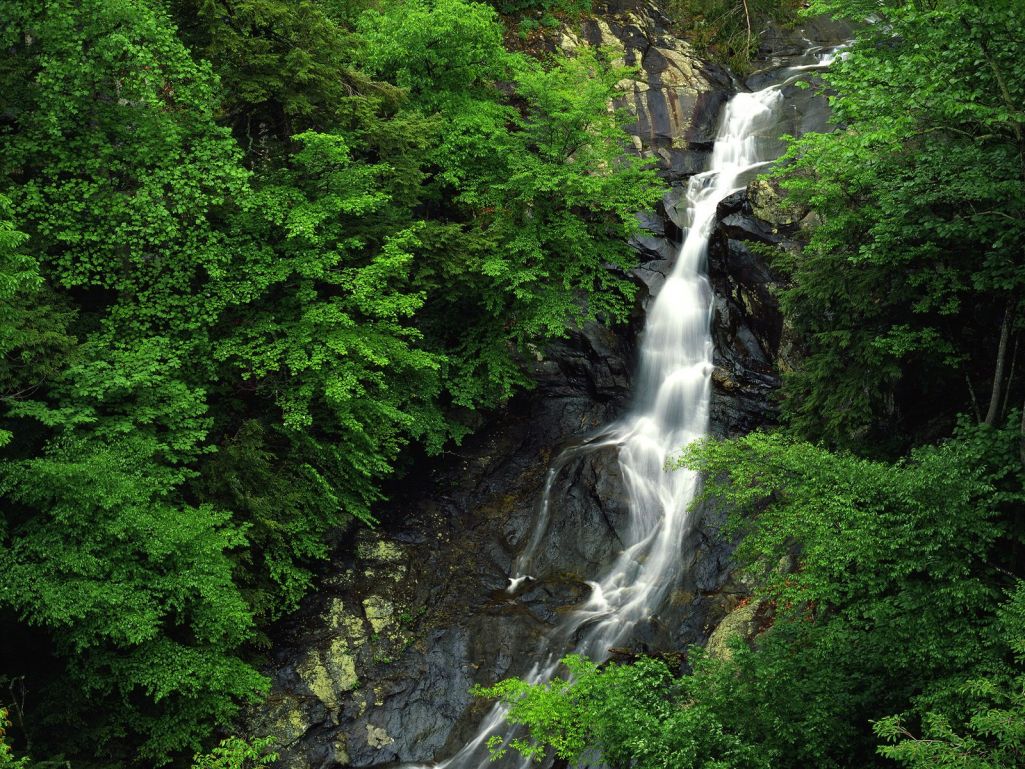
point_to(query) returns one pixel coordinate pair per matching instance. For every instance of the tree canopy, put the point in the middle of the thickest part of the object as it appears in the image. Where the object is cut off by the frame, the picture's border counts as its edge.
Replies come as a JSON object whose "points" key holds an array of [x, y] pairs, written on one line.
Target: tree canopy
{"points": [[907, 295], [249, 254]]}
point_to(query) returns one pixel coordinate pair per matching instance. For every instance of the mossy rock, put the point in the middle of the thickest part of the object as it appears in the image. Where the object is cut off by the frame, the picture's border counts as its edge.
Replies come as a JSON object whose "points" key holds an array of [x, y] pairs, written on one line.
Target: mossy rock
{"points": [[742, 621], [770, 205], [380, 550], [282, 717]]}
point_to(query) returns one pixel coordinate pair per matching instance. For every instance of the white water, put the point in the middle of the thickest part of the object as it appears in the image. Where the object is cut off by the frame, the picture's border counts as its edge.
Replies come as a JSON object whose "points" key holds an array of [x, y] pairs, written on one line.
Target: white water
{"points": [[670, 410]]}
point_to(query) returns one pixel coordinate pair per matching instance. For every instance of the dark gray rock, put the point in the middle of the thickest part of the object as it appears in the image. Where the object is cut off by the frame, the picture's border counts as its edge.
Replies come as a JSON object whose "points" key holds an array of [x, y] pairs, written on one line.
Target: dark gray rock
{"points": [[654, 273]]}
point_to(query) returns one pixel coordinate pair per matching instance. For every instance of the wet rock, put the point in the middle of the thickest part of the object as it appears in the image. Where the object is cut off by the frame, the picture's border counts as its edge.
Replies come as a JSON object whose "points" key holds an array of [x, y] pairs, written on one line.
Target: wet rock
{"points": [[594, 512], [674, 205], [778, 44], [410, 616], [677, 98], [380, 613], [654, 273], [752, 344], [722, 379], [741, 227], [652, 242]]}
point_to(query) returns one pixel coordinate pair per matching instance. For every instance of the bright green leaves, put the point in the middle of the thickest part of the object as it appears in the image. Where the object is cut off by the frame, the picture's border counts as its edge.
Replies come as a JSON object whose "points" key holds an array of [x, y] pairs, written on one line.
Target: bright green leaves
{"points": [[546, 192], [885, 581], [330, 337], [7, 759], [33, 322], [441, 51], [639, 715], [536, 191], [20, 271], [236, 753], [860, 524], [105, 556], [339, 190], [104, 553], [113, 137], [565, 203], [114, 164]]}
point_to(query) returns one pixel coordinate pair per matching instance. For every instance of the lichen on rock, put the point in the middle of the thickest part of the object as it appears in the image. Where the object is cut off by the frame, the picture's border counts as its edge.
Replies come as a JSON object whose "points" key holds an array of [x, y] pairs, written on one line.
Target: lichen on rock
{"points": [[377, 737], [345, 622], [770, 205], [329, 673], [380, 550], [380, 612], [285, 719]]}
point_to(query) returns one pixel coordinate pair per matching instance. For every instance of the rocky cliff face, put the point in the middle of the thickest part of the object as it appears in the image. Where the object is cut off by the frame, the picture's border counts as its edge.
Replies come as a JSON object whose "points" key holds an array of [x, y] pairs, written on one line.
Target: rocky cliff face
{"points": [[376, 667]]}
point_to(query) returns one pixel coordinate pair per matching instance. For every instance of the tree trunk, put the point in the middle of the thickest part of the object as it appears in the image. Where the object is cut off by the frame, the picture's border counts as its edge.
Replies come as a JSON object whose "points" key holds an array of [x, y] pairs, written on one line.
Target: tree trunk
{"points": [[975, 401], [1021, 436], [998, 374], [747, 18], [1010, 379]]}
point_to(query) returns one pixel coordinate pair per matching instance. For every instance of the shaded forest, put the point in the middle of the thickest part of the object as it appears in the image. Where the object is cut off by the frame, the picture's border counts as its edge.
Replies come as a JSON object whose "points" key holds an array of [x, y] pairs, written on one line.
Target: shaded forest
{"points": [[256, 255]]}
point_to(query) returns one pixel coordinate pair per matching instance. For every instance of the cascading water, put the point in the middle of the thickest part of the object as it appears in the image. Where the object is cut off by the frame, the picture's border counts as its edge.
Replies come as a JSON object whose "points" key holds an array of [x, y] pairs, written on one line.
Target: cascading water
{"points": [[670, 410]]}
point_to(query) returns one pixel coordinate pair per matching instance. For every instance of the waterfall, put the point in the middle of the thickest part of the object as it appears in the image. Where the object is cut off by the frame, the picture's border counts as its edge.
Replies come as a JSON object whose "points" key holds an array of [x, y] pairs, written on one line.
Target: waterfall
{"points": [[670, 409]]}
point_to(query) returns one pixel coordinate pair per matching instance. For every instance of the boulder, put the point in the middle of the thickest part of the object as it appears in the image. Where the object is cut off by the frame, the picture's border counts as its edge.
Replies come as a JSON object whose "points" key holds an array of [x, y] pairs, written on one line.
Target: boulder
{"points": [[744, 622]]}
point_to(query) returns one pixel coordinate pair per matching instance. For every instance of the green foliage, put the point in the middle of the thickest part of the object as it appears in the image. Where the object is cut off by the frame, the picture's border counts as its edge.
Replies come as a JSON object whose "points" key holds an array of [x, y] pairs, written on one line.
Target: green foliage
{"points": [[540, 188], [118, 160], [638, 715], [903, 286], [248, 254], [19, 276], [545, 10], [727, 30], [119, 174], [274, 485], [994, 734], [439, 50], [285, 67], [236, 753], [886, 578], [7, 759]]}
